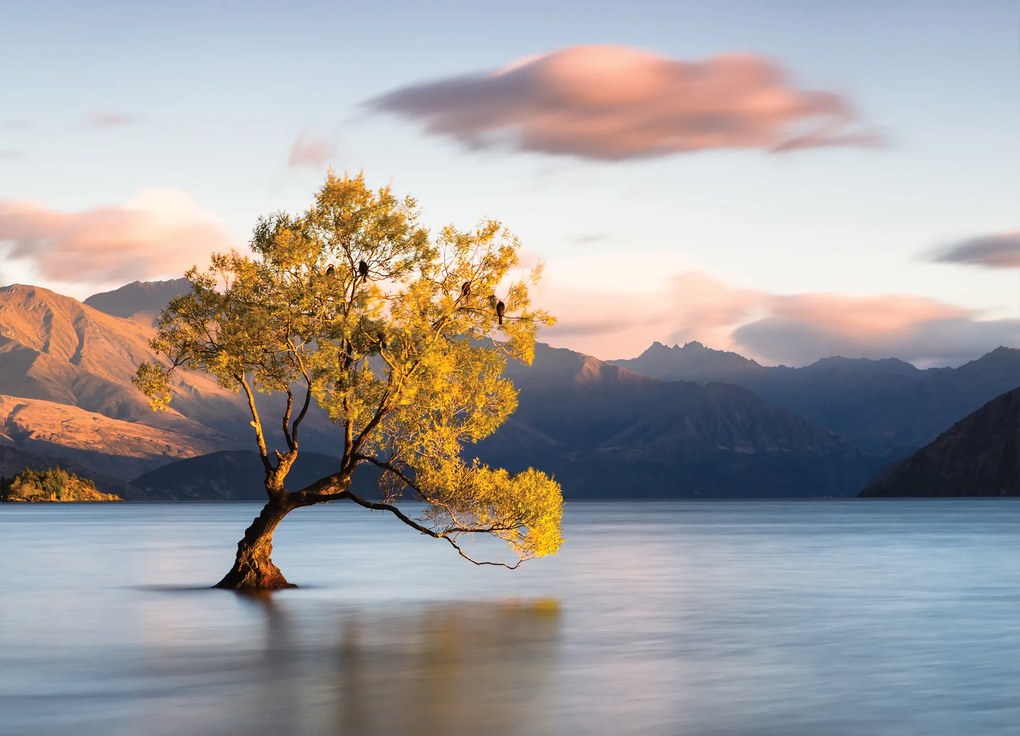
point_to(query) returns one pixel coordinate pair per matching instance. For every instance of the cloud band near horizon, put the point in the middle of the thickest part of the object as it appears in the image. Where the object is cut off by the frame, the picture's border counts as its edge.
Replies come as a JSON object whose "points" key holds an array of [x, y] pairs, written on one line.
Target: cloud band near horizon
{"points": [[794, 329], [160, 232], [614, 103]]}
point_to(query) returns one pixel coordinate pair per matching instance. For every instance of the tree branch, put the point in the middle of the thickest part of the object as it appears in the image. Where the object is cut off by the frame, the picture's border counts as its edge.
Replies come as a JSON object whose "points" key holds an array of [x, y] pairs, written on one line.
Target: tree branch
{"points": [[376, 506], [260, 438], [286, 420], [308, 392]]}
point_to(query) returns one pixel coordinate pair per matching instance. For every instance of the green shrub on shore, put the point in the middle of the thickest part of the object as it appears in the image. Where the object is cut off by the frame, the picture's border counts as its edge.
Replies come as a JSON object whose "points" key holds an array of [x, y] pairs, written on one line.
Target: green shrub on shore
{"points": [[53, 484]]}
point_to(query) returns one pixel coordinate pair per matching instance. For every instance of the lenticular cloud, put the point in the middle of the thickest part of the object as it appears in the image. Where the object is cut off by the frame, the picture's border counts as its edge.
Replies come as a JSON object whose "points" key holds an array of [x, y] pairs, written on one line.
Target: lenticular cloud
{"points": [[614, 103]]}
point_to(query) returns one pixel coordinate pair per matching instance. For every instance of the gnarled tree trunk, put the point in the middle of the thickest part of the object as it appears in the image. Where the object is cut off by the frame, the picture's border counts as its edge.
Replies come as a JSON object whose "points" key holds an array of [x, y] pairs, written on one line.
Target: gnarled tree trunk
{"points": [[253, 568]]}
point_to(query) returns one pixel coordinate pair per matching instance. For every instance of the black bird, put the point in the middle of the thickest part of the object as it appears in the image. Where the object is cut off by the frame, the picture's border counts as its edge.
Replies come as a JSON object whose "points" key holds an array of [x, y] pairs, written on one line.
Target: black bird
{"points": [[465, 290], [329, 271], [363, 271], [500, 309]]}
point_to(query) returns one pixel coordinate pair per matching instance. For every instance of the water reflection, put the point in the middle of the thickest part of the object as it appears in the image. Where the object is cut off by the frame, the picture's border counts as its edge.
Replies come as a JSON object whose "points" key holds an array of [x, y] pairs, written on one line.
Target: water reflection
{"points": [[449, 668], [866, 619]]}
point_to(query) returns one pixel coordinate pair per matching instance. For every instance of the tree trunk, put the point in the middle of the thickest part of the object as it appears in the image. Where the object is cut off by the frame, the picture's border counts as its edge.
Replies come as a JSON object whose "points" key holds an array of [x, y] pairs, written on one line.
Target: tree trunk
{"points": [[253, 568]]}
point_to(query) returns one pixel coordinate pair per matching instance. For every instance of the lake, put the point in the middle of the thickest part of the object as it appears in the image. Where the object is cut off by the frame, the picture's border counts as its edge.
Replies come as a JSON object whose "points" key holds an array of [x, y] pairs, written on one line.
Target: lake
{"points": [[716, 619]]}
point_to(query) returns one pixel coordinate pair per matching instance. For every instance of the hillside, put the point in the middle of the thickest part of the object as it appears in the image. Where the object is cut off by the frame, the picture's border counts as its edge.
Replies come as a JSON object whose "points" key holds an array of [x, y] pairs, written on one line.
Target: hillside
{"points": [[978, 456], [57, 349], [104, 446], [54, 348]]}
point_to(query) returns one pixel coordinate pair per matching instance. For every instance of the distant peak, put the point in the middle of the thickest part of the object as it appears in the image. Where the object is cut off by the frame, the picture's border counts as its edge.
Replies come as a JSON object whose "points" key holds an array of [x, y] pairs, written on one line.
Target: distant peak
{"points": [[694, 345]]}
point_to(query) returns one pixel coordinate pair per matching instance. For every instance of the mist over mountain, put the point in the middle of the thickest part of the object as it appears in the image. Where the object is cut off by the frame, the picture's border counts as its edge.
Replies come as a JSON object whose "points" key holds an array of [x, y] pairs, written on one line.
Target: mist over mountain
{"points": [[977, 456], [887, 407]]}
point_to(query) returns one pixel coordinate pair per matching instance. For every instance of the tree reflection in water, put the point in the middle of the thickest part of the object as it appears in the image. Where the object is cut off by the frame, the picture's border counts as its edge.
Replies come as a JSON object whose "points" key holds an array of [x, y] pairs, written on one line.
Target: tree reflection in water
{"points": [[438, 669]]}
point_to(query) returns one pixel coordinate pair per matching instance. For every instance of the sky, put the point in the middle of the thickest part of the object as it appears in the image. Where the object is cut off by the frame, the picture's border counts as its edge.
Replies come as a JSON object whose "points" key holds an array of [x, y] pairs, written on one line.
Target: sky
{"points": [[788, 180]]}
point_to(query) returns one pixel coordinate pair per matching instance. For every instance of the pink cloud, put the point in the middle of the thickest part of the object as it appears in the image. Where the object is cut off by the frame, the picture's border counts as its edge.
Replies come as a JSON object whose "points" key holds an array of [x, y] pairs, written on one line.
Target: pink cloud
{"points": [[991, 251], [801, 328], [684, 305], [847, 316], [615, 102], [160, 232], [309, 150]]}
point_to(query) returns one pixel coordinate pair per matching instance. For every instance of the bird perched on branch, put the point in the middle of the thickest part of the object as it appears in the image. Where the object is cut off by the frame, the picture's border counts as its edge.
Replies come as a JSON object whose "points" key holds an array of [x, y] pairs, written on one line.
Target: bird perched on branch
{"points": [[329, 271], [500, 309], [363, 271], [465, 290]]}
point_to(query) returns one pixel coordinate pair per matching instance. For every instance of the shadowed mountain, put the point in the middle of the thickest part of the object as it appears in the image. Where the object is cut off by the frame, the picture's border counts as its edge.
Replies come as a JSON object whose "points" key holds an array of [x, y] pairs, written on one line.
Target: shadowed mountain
{"points": [[887, 407], [977, 456], [607, 432], [139, 300]]}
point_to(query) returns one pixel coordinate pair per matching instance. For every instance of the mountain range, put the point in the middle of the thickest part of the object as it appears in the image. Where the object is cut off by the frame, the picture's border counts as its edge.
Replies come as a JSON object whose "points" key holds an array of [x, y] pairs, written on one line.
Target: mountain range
{"points": [[675, 422], [886, 407]]}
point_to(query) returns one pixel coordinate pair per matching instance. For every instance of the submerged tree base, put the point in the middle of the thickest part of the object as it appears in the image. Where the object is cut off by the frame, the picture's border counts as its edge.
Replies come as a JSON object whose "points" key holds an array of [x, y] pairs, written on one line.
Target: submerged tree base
{"points": [[253, 567], [249, 578]]}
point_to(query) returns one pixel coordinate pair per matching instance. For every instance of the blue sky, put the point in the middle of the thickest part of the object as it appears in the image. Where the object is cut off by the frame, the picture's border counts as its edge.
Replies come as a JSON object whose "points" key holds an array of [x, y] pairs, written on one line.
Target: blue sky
{"points": [[197, 115]]}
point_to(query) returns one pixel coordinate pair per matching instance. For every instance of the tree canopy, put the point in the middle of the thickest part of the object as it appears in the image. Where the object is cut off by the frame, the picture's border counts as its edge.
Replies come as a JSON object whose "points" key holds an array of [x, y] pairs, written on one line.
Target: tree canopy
{"points": [[399, 335]]}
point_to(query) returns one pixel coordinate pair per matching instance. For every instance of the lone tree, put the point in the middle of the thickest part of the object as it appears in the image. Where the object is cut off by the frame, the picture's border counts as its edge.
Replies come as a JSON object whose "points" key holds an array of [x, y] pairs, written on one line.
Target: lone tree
{"points": [[353, 305]]}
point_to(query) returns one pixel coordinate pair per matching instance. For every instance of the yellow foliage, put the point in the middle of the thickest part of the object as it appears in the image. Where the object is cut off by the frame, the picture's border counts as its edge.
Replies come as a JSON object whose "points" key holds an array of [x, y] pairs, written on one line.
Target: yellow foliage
{"points": [[395, 334]]}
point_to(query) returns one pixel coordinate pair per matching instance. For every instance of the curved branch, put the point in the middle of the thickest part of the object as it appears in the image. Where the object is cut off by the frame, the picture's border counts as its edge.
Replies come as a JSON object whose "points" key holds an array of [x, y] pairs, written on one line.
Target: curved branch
{"points": [[376, 506], [393, 469]]}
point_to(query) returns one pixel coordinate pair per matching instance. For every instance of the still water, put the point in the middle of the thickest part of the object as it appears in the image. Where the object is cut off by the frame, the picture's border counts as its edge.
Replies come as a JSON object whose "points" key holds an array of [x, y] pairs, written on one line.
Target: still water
{"points": [[778, 618]]}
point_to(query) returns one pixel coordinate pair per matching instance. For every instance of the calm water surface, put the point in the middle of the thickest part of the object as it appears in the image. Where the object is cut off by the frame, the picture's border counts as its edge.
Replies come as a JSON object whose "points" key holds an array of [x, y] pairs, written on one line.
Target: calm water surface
{"points": [[779, 618]]}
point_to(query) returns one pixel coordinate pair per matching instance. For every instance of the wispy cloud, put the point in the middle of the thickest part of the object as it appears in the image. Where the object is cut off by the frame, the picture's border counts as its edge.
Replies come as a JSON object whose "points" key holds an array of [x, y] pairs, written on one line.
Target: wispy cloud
{"points": [[991, 251], [17, 124], [159, 232], [110, 120], [615, 102], [311, 151]]}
